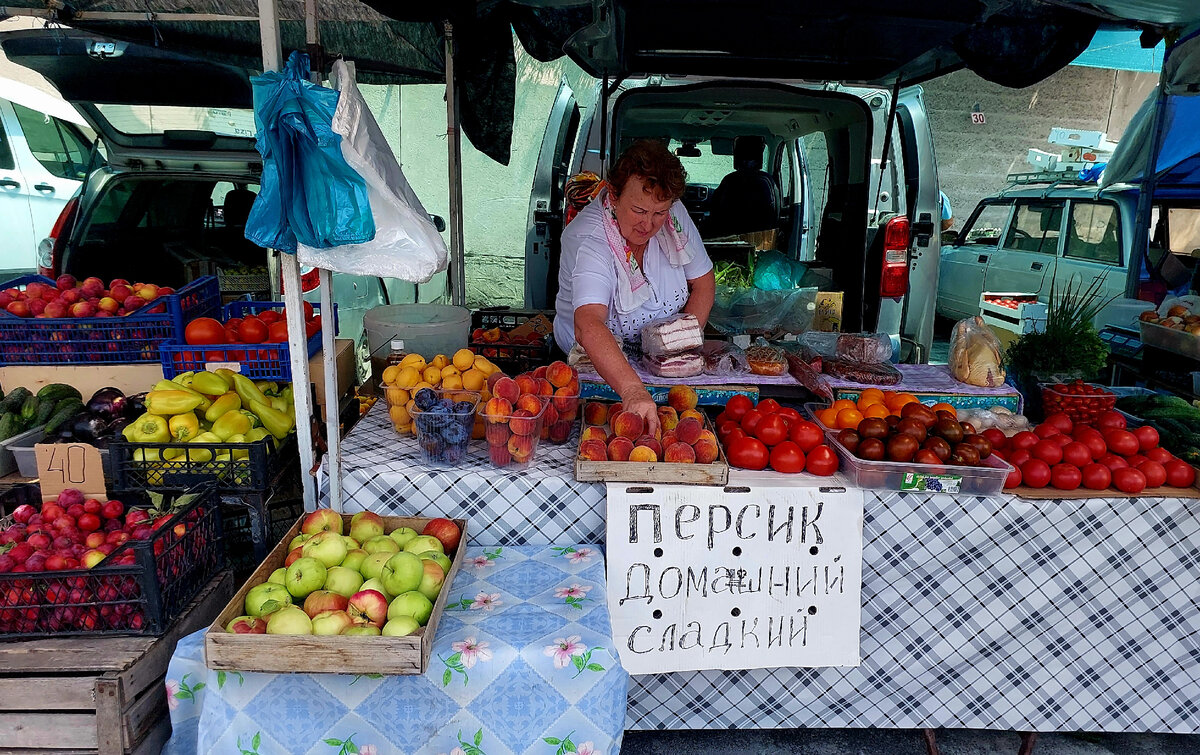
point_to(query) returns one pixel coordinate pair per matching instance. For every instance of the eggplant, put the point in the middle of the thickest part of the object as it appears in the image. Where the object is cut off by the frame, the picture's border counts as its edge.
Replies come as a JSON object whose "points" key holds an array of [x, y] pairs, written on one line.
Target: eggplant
{"points": [[89, 426], [108, 402], [135, 405], [116, 426]]}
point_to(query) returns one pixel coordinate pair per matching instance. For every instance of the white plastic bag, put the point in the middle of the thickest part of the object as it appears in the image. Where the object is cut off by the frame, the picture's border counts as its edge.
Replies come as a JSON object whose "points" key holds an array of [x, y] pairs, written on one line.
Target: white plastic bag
{"points": [[406, 245]]}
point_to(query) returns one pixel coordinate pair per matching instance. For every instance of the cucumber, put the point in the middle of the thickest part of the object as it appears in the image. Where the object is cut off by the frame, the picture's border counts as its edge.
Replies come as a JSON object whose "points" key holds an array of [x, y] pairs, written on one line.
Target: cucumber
{"points": [[63, 411], [14, 400], [55, 392], [9, 426], [29, 410], [45, 409]]}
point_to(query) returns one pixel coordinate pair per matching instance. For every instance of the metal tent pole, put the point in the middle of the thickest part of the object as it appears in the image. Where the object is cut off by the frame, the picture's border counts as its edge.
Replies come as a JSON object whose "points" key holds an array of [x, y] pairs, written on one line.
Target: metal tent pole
{"points": [[1145, 203], [458, 278]]}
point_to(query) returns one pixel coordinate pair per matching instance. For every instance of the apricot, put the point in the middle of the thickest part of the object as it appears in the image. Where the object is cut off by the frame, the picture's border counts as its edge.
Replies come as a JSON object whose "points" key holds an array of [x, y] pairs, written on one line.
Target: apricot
{"points": [[688, 430], [680, 453], [643, 454], [593, 450], [619, 449], [628, 424], [651, 443], [595, 413], [682, 397], [560, 374]]}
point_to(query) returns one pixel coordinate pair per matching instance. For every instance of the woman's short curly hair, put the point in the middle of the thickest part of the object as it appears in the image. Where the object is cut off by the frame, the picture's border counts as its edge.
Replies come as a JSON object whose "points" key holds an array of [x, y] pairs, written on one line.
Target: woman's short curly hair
{"points": [[660, 170]]}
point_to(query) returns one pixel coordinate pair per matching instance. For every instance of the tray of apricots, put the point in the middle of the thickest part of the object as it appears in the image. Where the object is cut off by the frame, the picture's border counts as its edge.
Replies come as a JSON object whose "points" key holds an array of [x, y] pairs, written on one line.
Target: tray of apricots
{"points": [[614, 445]]}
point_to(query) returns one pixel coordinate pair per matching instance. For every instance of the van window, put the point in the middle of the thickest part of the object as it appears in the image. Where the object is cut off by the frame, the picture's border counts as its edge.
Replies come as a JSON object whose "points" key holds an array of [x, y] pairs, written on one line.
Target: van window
{"points": [[57, 145], [988, 224], [1035, 227], [6, 155], [1093, 233], [1183, 224], [707, 168]]}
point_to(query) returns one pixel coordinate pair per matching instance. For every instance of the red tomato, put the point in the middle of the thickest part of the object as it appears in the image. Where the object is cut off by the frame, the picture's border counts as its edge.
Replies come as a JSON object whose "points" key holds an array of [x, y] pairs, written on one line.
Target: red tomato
{"points": [[1093, 440], [1045, 430], [733, 435], [1035, 473], [254, 330], [1159, 454], [822, 461], [1110, 420], [1156, 474], [1135, 460], [727, 427], [308, 311], [750, 420], [1013, 479], [233, 322], [1019, 457], [787, 458], [1048, 451], [789, 414], [1180, 474], [768, 405], [204, 331], [1060, 421], [771, 430], [312, 327], [737, 407], [1112, 461], [721, 419], [806, 434], [1121, 442], [232, 335], [1129, 480], [925, 456], [748, 453], [1023, 439], [996, 437], [270, 316], [277, 332], [1062, 440], [1065, 476], [1147, 437], [1096, 476], [1077, 453]]}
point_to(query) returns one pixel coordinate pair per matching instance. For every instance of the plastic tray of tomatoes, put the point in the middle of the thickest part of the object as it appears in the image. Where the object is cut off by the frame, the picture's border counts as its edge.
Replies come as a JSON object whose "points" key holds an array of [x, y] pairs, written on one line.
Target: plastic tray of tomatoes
{"points": [[1082, 402], [986, 478]]}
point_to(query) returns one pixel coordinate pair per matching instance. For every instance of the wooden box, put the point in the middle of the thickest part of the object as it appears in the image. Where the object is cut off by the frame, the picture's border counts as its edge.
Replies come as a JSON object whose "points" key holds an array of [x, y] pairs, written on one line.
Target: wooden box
{"points": [[309, 654], [716, 473], [95, 694]]}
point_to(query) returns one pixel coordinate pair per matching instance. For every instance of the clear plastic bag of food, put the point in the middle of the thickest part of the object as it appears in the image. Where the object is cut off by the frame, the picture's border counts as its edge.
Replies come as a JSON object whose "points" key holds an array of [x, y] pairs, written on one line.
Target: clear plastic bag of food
{"points": [[975, 354], [673, 335], [687, 364], [724, 358], [869, 348], [766, 360]]}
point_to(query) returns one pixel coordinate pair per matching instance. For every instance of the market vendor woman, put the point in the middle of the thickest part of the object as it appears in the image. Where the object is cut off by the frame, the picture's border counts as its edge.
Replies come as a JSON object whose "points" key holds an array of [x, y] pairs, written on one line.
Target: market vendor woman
{"points": [[632, 256]]}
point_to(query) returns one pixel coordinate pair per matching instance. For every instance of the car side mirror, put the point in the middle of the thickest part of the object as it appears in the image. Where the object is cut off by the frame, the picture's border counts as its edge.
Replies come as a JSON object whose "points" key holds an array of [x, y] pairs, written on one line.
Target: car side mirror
{"points": [[438, 222]]}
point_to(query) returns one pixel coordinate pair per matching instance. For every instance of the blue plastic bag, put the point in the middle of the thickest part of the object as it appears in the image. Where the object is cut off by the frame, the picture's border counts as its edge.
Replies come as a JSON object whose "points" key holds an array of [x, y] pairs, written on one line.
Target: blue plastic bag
{"points": [[307, 193]]}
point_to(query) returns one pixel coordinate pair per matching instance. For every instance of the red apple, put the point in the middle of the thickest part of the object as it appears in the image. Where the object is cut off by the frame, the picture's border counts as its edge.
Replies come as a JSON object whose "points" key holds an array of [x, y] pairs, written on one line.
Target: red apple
{"points": [[120, 291], [247, 625], [322, 601], [65, 282], [322, 520], [70, 297], [134, 302], [444, 530], [18, 308], [148, 291], [83, 309], [108, 304], [368, 608], [37, 307], [55, 309]]}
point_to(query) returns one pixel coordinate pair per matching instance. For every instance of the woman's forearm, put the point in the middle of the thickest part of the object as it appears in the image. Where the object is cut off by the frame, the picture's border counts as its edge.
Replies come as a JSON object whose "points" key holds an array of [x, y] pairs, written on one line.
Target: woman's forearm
{"points": [[603, 350], [701, 293]]}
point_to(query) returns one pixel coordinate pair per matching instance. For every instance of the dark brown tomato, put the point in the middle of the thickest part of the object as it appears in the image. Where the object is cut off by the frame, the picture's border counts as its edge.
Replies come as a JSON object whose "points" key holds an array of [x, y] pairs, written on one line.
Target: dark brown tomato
{"points": [[966, 455], [950, 430], [902, 447], [871, 449], [850, 439], [919, 411], [981, 444], [939, 446], [913, 427], [968, 428], [873, 427]]}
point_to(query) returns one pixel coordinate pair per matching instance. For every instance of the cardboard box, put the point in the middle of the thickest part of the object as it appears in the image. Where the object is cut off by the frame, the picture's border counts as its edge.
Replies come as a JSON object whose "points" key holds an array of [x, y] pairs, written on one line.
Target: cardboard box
{"points": [[345, 368], [829, 312]]}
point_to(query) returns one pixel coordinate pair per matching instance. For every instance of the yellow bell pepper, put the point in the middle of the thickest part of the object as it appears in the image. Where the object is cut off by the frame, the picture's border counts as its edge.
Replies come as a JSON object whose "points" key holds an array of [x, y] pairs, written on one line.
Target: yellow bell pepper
{"points": [[267, 387], [254, 420], [226, 403], [184, 378], [149, 428], [209, 384], [230, 424], [202, 454], [246, 390], [277, 423], [169, 403], [184, 426], [167, 385], [258, 434], [277, 404]]}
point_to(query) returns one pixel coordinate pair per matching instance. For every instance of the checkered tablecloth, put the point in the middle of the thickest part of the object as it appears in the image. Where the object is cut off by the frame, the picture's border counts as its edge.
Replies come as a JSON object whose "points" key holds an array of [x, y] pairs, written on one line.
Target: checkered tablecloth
{"points": [[523, 664], [994, 613]]}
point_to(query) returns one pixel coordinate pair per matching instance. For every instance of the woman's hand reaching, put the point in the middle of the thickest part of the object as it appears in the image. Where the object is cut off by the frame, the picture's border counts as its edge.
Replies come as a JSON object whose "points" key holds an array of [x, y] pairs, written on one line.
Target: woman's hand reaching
{"points": [[637, 399]]}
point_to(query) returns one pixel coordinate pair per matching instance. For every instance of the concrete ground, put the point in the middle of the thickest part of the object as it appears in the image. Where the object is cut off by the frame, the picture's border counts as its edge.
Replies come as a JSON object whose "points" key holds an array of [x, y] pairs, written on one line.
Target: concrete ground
{"points": [[900, 742]]}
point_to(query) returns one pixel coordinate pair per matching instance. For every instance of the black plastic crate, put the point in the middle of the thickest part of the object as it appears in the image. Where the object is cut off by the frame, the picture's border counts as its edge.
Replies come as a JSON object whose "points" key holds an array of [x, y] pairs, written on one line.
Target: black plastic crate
{"points": [[200, 463], [139, 598], [251, 529], [512, 358]]}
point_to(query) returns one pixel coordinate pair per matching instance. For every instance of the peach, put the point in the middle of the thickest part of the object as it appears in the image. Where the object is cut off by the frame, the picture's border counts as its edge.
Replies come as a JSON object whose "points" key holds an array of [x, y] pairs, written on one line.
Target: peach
{"points": [[706, 449], [667, 418], [37, 306], [55, 309], [706, 435], [680, 453], [133, 302], [497, 434], [688, 430], [82, 309], [499, 455], [92, 287], [507, 388], [33, 291], [594, 433], [668, 439], [628, 424], [148, 291], [567, 402], [560, 374], [545, 388], [492, 379], [18, 308], [70, 296], [643, 454], [593, 450], [595, 413], [693, 414], [540, 373], [529, 403], [651, 443], [65, 282], [682, 397], [527, 384], [498, 410], [551, 416], [619, 449], [560, 431], [521, 448], [120, 291], [523, 423], [108, 304]]}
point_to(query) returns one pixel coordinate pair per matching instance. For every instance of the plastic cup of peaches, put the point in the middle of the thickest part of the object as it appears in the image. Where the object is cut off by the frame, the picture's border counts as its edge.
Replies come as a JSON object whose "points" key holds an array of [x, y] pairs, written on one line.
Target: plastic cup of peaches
{"points": [[443, 421], [512, 431], [557, 384]]}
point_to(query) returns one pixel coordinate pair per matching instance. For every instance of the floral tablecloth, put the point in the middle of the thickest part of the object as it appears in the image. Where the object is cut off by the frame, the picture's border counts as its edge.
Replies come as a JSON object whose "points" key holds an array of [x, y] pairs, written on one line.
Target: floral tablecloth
{"points": [[523, 664]]}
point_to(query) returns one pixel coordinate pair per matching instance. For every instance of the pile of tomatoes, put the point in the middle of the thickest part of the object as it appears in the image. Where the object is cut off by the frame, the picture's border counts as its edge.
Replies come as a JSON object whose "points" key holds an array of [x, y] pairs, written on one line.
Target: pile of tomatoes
{"points": [[1082, 402], [920, 435], [1066, 455], [267, 326], [770, 435]]}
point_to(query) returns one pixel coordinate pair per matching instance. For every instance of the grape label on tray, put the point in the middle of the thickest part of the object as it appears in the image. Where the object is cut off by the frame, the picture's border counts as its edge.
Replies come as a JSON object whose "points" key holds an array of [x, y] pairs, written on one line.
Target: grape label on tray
{"points": [[734, 578]]}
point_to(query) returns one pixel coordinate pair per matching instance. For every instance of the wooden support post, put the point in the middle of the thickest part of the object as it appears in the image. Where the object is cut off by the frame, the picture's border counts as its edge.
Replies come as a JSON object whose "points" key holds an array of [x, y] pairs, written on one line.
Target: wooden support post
{"points": [[930, 737], [1028, 741]]}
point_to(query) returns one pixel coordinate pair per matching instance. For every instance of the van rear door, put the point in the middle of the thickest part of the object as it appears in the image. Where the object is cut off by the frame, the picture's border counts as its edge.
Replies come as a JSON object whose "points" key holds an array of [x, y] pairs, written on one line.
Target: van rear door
{"points": [[546, 201]]}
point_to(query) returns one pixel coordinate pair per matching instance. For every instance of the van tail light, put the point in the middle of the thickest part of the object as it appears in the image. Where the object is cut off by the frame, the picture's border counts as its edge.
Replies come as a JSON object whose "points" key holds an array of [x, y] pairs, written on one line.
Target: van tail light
{"points": [[49, 253], [893, 283]]}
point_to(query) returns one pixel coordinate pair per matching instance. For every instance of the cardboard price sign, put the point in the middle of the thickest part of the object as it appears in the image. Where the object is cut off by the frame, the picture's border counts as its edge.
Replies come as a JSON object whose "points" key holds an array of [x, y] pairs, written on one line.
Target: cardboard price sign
{"points": [[734, 578], [70, 465]]}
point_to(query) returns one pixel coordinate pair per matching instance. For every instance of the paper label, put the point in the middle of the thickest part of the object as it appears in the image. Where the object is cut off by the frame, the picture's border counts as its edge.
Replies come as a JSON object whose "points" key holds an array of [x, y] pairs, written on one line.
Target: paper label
{"points": [[931, 483], [231, 366], [69, 465]]}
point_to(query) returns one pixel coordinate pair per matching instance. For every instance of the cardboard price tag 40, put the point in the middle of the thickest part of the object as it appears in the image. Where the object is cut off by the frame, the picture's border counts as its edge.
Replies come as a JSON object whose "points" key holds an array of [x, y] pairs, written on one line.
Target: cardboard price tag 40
{"points": [[69, 465], [734, 578]]}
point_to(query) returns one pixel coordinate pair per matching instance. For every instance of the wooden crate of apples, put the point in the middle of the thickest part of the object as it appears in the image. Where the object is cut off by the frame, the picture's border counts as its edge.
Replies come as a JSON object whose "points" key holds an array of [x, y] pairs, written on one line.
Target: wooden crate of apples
{"points": [[342, 594]]}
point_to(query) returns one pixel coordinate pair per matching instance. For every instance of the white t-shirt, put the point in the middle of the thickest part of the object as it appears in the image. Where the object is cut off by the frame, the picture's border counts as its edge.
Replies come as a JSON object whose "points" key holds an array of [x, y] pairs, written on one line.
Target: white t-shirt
{"points": [[587, 274]]}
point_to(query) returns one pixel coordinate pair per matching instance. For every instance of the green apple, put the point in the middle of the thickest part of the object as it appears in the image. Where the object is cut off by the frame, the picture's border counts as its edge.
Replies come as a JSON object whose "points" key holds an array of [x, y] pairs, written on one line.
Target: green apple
{"points": [[354, 559], [298, 540], [289, 620], [322, 520], [438, 558], [432, 580], [365, 525], [266, 598], [305, 575], [401, 626], [401, 573], [277, 576], [326, 547], [351, 543], [377, 586], [402, 535], [357, 631], [331, 622], [343, 581], [373, 564], [422, 543], [381, 544], [411, 603]]}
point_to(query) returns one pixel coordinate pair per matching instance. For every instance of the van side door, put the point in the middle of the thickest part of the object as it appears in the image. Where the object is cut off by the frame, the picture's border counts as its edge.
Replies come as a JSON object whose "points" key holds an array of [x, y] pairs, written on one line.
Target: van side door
{"points": [[19, 251], [1025, 261]]}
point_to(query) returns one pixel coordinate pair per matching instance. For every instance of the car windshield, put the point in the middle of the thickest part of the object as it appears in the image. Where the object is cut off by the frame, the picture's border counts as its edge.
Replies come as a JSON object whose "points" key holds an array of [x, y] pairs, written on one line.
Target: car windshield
{"points": [[155, 119]]}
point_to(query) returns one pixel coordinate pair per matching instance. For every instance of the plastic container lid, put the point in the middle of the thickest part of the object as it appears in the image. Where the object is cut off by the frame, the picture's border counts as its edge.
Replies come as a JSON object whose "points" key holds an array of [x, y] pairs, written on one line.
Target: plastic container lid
{"points": [[397, 344]]}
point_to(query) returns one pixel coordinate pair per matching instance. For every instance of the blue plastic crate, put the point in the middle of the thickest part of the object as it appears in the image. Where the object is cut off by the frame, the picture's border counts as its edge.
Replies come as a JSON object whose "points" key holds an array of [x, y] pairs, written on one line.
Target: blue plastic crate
{"points": [[260, 361], [135, 337]]}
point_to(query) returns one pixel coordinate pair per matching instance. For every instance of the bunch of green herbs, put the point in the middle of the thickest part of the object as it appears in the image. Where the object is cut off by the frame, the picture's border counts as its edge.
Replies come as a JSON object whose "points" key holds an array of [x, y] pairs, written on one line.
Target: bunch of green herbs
{"points": [[1070, 343]]}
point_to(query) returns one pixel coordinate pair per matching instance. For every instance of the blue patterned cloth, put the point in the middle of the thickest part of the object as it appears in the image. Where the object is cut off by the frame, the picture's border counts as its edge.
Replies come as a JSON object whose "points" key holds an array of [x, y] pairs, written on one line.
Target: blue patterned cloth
{"points": [[523, 664]]}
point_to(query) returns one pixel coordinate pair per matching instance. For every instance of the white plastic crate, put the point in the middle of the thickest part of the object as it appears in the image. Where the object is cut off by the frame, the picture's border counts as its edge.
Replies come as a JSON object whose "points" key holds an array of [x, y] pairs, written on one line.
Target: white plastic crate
{"points": [[1015, 312]]}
